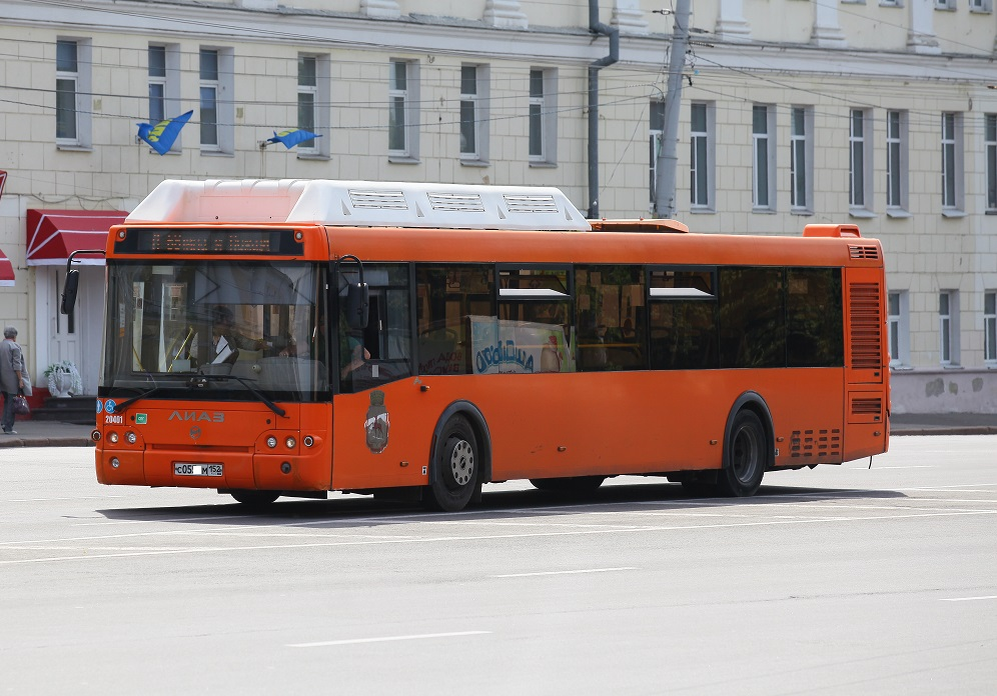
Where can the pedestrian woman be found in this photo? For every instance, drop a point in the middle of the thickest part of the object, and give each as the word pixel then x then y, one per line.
pixel 11 376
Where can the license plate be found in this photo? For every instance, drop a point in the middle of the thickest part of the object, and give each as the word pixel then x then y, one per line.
pixel 181 469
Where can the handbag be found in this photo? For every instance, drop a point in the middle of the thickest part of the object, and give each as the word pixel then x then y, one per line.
pixel 21 407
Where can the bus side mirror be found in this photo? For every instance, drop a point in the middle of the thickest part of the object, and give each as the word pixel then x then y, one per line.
pixel 69 289
pixel 357 305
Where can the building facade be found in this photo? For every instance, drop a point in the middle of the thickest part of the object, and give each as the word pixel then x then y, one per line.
pixel 881 113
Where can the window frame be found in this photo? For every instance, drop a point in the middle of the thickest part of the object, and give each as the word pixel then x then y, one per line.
pixel 409 96
pixel 542 118
pixel 948 328
pixel 477 104
pixel 801 147
pixel 860 173
pixel 306 92
pixel 990 328
pixel 897 161
pixel 222 86
pixel 763 149
pixel 170 83
pixel 990 149
pixel 952 164
pixel 80 76
pixel 702 159
pixel 898 327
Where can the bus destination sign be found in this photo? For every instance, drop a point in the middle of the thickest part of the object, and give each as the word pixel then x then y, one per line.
pixel 183 241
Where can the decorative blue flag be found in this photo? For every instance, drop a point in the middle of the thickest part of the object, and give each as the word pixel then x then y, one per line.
pixel 292 137
pixel 162 136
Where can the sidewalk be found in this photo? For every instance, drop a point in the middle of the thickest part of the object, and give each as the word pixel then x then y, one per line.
pixel 32 433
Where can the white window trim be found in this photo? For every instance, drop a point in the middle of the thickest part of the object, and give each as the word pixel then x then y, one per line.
pixel 410 96
pixel 769 139
pixel 710 136
pixel 480 100
pixel 310 147
pixel 948 325
pixel 807 137
pixel 990 153
pixel 956 207
pixel 989 331
pixel 548 118
pixel 224 101
pixel 171 87
pixel 981 6
pixel 901 322
pixel 861 208
pixel 83 78
pixel 901 141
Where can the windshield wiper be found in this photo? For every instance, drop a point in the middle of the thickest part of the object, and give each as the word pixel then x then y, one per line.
pixel 202 380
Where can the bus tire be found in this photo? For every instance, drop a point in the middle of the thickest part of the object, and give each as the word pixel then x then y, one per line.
pixel 745 456
pixel 457 466
pixel 568 485
pixel 255 499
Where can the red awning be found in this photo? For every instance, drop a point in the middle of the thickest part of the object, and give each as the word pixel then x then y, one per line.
pixel 54 234
pixel 6 270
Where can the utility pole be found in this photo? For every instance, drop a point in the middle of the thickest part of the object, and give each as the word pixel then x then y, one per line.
pixel 667 162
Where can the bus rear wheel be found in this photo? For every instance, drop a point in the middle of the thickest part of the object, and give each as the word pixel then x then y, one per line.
pixel 572 484
pixel 745 456
pixel 456 467
pixel 255 499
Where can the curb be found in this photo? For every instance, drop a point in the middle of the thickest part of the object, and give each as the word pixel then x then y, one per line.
pixel 941 430
pixel 11 442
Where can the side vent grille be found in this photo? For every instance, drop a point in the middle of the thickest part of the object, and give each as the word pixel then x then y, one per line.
pixel 530 204
pixel 867 331
pixel 859 251
pixel 816 445
pixel 868 407
pixel 384 200
pixel 457 202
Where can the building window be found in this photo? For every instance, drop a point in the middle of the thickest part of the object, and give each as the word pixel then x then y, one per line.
pixel 701 156
pixel 209 99
pixel 801 158
pixel 474 113
pixel 217 111
pixel 543 116
pixel 948 327
pixel 952 162
pixel 981 6
pixel 899 328
pixel 403 110
pixel 896 160
pixel 763 150
pixel 164 84
pixel 157 84
pixel 990 327
pixel 307 100
pixel 859 160
pixel 944 4
pixel 656 128
pixel 990 136
pixel 72 91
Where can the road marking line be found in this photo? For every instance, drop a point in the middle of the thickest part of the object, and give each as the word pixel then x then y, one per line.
pixel 564 572
pixel 968 599
pixel 385 639
pixel 95 554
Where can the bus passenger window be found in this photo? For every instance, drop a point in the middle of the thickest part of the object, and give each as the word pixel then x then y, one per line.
pixel 610 318
pixel 446 297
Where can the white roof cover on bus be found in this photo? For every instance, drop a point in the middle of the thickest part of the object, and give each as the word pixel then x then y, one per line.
pixel 360 204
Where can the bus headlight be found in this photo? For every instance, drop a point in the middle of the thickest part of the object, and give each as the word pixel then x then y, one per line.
pixel 115 463
pixel 271 442
pixel 290 442
pixel 131 437
pixel 112 437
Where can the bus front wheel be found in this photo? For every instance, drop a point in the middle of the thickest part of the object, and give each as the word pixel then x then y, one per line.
pixel 745 456
pixel 255 498
pixel 456 466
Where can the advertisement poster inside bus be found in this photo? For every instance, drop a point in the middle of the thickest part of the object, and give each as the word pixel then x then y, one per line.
pixel 502 346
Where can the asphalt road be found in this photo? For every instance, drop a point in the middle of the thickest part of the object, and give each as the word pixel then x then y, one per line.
pixel 841 580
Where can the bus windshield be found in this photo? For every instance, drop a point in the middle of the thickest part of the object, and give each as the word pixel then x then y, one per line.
pixel 220 329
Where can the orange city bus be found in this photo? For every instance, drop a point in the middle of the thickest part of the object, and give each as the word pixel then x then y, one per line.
pixel 290 338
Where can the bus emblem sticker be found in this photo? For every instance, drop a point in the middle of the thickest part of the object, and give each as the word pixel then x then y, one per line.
pixel 376 424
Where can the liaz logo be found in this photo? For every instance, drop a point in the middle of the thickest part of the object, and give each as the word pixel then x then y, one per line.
pixel 216 417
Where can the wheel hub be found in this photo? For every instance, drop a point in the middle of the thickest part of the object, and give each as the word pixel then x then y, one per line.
pixel 462 462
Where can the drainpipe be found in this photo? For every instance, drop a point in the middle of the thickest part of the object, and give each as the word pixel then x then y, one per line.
pixel 597 27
